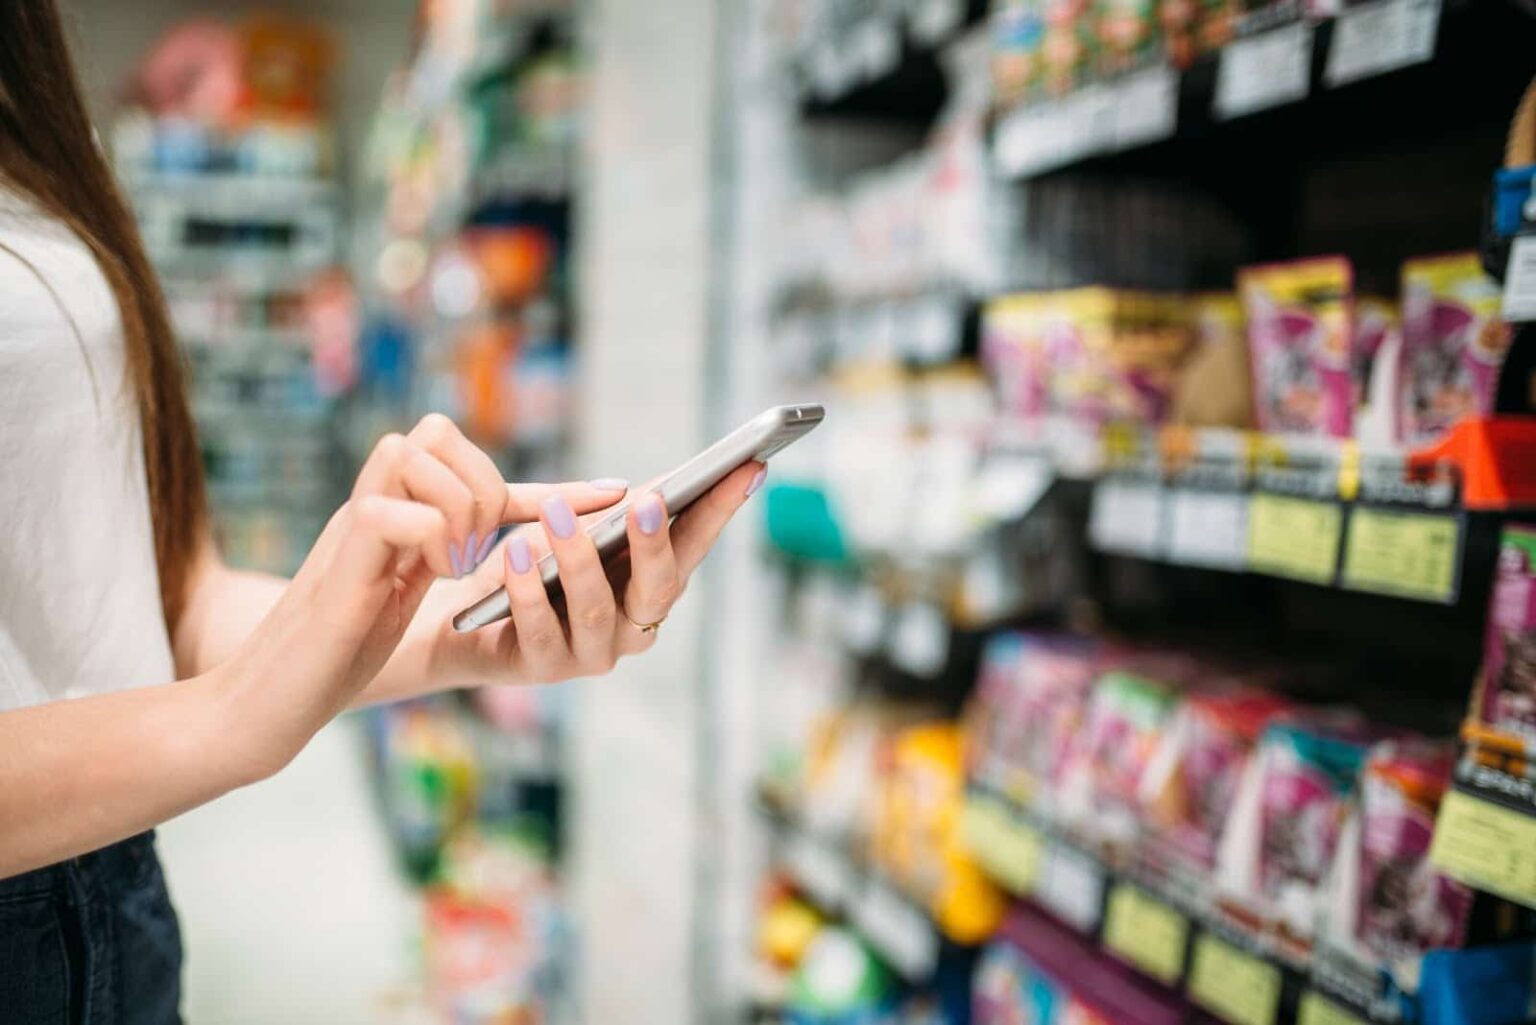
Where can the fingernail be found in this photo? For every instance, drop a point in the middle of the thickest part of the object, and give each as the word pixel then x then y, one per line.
pixel 610 484
pixel 648 514
pixel 519 555
pixel 557 511
pixel 471 546
pixel 757 482
pixel 454 560
pixel 485 548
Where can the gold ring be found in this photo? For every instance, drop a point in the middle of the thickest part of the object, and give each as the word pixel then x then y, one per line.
pixel 645 628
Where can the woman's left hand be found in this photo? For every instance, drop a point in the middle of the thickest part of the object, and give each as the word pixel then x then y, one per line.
pixel 606 610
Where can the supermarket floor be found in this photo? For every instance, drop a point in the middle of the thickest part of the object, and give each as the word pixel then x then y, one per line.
pixel 290 906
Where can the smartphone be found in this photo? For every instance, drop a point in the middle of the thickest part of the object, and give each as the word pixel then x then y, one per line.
pixel 757 439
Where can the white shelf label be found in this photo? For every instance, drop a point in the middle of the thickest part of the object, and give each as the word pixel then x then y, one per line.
pixel 935 20
pixel 1146 107
pixel 864 621
pixel 1208 528
pixel 1071 887
pixel 1383 36
pixel 1126 517
pixel 819 870
pixel 935 329
pixel 920 640
pixel 1264 71
pixel 900 931
pixel 1520 280
pixel 1009 486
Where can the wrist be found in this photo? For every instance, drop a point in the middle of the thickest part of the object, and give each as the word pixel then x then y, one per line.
pixel 243 729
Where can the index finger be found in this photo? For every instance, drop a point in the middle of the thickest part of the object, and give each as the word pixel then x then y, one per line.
pixel 695 530
pixel 525 500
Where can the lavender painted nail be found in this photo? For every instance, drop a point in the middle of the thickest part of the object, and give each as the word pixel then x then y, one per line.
pixel 519 555
pixel 471 546
pixel 485 547
pixel 454 560
pixel 558 514
pixel 757 482
pixel 610 484
pixel 648 514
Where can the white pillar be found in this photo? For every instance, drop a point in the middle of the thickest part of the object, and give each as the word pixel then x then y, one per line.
pixel 645 264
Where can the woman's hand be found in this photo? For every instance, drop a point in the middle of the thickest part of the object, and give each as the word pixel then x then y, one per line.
pixel 423 507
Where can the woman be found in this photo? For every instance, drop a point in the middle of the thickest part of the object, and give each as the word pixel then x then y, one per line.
pixel 188 679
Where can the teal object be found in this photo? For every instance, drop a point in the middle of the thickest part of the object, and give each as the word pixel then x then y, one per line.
pixel 802 524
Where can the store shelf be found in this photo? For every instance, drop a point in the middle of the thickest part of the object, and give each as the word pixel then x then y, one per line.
pixel 1166 929
pixel 845 886
pixel 1382 73
pixel 885 64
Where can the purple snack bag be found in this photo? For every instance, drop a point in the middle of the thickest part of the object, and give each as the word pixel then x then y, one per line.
pixel 1509 642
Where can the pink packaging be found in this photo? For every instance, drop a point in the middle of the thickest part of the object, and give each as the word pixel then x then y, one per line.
pixel 1406 907
pixel 1509 641
pixel 1301 336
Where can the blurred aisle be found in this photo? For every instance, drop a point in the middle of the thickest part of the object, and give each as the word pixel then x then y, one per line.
pixel 290 906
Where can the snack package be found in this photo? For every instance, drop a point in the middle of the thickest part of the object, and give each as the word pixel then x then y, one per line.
pixel 918 832
pixel 1309 766
pixel 1190 786
pixel 1126 33
pixel 1301 336
pixel 1126 716
pixel 1010 989
pixel 1215 24
pixel 1453 344
pixel 1113 356
pixel 1405 906
pixel 1030 703
pixel 1012 353
pixel 1018 36
pixel 1215 385
pixel 1509 643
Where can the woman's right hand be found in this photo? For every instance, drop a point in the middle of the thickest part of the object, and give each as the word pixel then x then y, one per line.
pixel 418 511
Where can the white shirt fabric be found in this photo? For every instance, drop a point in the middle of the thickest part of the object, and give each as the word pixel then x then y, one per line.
pixel 79 590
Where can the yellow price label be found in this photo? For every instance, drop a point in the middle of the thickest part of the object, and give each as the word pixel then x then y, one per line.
pixel 1486 846
pixel 1294 537
pixel 1146 932
pixel 1009 849
pixel 1236 987
pixel 1407 554
pixel 1317 1009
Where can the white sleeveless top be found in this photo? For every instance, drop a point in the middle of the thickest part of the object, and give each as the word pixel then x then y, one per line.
pixel 79 590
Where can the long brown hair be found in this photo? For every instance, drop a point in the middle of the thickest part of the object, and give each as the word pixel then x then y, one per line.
pixel 49 152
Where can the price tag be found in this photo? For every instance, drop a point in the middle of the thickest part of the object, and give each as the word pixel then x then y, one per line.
pixel 1487 846
pixel 1236 987
pixel 1383 36
pixel 1126 517
pixel 1071 887
pixel 1037 138
pixel 1208 528
pixel 1008 849
pixel 1294 537
pixel 920 641
pixel 1264 71
pixel 1146 932
pixel 1145 107
pixel 902 933
pixel 864 621
pixel 934 20
pixel 1520 280
pixel 877 44
pixel 935 330
pixel 1413 555
pixel 1317 1009
pixel 1009 486
pixel 820 870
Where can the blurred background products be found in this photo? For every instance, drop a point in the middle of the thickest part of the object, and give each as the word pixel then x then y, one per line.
pixel 1145 638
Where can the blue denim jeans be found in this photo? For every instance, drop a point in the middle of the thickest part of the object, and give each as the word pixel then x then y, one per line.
pixel 91 941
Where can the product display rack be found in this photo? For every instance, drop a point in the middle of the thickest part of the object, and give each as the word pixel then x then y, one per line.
pixel 1375 557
